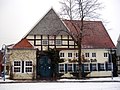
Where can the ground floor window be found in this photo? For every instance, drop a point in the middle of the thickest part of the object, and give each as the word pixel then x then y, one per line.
pixel 101 66
pixel 22 66
pixel 70 68
pixel 86 67
pixel 93 67
pixel 17 66
pixel 61 67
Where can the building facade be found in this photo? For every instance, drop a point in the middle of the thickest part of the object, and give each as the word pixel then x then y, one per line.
pixel 118 55
pixel 50 33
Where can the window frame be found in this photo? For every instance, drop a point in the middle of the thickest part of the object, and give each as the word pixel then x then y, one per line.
pixel 58 40
pixel 69 54
pixel 61 68
pixel 17 66
pixel 43 42
pixel 87 54
pixel 93 54
pixel 62 54
pixel 105 55
pixel 28 66
pixel 92 67
pixel 70 67
pixel 87 67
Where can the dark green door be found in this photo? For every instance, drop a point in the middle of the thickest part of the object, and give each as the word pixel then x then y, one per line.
pixel 44 67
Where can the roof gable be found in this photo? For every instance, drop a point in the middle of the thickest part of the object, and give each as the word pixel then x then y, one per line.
pixel 48 25
pixel 23 44
pixel 95 34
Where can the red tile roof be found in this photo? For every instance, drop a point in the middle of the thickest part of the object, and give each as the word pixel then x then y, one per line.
pixel 23 44
pixel 95 34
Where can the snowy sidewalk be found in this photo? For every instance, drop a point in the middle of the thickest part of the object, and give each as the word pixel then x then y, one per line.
pixel 108 79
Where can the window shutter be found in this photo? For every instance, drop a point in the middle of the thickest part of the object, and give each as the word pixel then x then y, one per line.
pixel 66 68
pixel 90 67
pixel 98 66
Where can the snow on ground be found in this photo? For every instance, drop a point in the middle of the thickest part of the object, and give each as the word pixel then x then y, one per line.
pixel 88 84
pixel 61 86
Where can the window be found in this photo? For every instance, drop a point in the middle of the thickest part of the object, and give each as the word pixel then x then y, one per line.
pixel 109 66
pixel 28 63
pixel 45 42
pixel 105 54
pixel 61 54
pixel 17 66
pixel 76 54
pixel 69 54
pixel 93 54
pixel 93 67
pixel 86 54
pixel 51 42
pixel 58 42
pixel 69 67
pixel 28 66
pixel 22 66
pixel 101 66
pixel 86 67
pixel 61 67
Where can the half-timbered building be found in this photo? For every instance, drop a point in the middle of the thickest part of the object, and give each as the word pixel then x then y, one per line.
pixel 50 33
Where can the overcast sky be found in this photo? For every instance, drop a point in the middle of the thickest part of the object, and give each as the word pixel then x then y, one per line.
pixel 17 17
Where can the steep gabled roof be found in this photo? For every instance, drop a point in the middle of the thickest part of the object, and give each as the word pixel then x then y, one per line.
pixel 23 44
pixel 49 25
pixel 95 34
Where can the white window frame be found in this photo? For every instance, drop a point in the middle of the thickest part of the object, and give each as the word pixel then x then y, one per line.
pixel 93 54
pixel 28 66
pixel 105 55
pixel 87 54
pixel 17 66
pixel 62 54
pixel 62 68
pixel 69 54
pixel 70 67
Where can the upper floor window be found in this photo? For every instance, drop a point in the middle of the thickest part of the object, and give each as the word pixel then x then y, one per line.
pixel 61 54
pixel 87 55
pixel 93 54
pixel 105 54
pixel 58 42
pixel 76 55
pixel 69 54
pixel 45 42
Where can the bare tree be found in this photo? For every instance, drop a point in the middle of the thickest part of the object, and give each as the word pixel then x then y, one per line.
pixel 80 10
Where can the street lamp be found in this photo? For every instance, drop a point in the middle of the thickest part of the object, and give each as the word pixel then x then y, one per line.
pixel 111 53
pixel 4 51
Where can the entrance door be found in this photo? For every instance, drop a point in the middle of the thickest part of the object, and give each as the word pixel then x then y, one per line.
pixel 44 67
